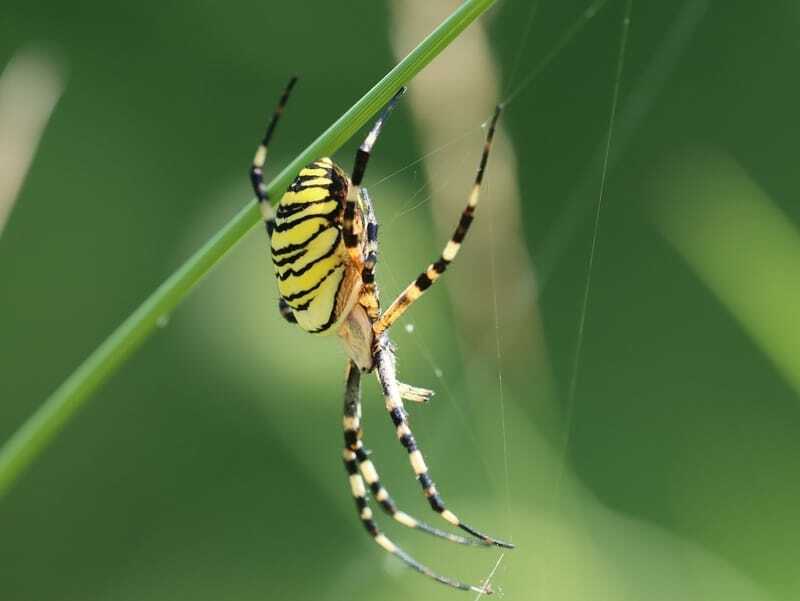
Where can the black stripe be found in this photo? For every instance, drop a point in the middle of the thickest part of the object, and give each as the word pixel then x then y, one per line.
pixel 397 416
pixel 436 503
pixel 375 487
pixel 287 210
pixel 288 260
pixel 371 527
pixel 350 239
pixel 351 438
pixel 423 282
pixel 292 247
pixel 463 226
pixel 287 225
pixel 407 440
pixel 302 293
pixel 332 317
pixel 440 266
pixel 425 481
pixel 361 502
pixel 388 505
pixel 351 467
pixel 291 272
pixel 362 157
pixel 372 232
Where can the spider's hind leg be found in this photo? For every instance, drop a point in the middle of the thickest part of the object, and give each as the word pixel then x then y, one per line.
pixel 386 373
pixel 356 451
pixel 360 469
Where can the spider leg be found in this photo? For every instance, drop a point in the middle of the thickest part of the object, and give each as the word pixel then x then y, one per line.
pixel 414 290
pixel 260 188
pixel 349 235
pixel 260 158
pixel 359 455
pixel 369 297
pixel 386 374
pixel 286 311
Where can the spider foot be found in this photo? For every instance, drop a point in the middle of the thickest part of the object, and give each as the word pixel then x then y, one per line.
pixel 414 393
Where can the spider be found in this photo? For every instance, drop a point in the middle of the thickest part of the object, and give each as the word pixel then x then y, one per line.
pixel 324 246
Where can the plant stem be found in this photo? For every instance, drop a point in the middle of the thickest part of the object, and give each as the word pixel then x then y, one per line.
pixel 34 435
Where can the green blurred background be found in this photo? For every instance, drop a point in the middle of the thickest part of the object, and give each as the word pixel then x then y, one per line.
pixel 209 467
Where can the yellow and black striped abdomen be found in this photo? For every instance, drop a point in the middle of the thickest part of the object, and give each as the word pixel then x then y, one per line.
pixel 311 262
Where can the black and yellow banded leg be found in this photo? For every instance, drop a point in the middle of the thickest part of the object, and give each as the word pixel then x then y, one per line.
pixel 355 450
pixel 418 287
pixel 350 237
pixel 365 514
pixel 369 296
pixel 387 377
pixel 260 158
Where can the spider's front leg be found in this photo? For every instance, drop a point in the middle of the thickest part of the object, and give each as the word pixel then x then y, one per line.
pixel 434 271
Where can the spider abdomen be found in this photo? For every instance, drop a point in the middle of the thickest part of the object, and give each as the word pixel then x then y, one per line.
pixel 310 258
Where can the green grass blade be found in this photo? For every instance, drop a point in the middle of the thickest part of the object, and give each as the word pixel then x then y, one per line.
pixel 34 435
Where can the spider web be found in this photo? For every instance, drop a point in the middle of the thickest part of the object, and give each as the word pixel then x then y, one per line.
pixel 422 196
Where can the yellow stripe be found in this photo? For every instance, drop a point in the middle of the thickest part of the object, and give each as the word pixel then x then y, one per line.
pixel 307 172
pixel 317 181
pixel 297 234
pixel 322 244
pixel 322 208
pixel 294 284
pixel 305 195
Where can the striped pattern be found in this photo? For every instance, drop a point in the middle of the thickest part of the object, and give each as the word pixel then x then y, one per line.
pixel 362 474
pixel 324 246
pixel 426 279
pixel 386 373
pixel 311 262
pixel 369 289
pixel 260 158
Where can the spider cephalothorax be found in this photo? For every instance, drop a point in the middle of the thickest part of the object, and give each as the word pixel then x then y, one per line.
pixel 324 246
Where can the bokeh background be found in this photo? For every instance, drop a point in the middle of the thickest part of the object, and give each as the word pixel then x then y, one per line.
pixel 663 467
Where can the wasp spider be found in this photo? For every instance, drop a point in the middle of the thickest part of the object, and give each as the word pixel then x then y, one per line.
pixel 324 242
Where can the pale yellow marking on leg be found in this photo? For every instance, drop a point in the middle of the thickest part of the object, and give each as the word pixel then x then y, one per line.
pixel 267 214
pixel 261 156
pixel 382 495
pixel 432 274
pixel 450 517
pixel 417 462
pixel 351 422
pixel 348 455
pixel 451 250
pixel 474 196
pixel 366 513
pixel 386 543
pixel 405 519
pixel 369 472
pixel 403 430
pixel 357 486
